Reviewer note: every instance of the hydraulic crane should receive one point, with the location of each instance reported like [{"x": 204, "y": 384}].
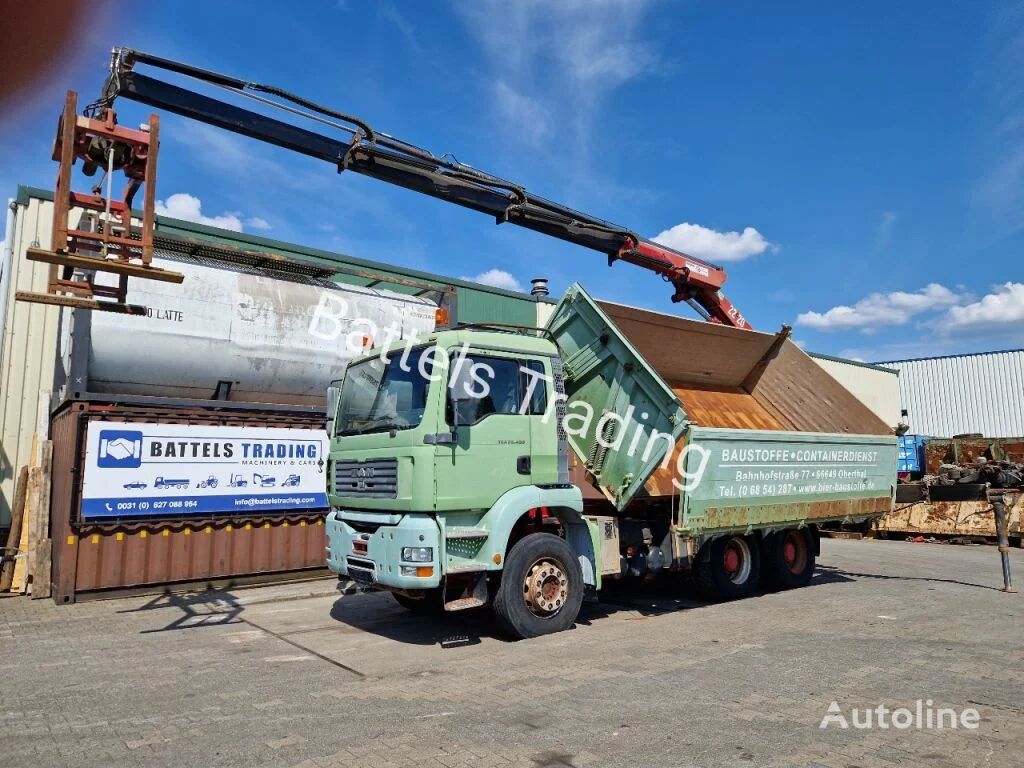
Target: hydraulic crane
[{"x": 362, "y": 149}]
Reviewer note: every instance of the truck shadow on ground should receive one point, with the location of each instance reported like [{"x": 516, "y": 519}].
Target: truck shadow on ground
[
  {"x": 841, "y": 575},
  {"x": 379, "y": 614}
]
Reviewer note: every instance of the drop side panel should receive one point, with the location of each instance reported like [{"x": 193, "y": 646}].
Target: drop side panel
[{"x": 746, "y": 478}]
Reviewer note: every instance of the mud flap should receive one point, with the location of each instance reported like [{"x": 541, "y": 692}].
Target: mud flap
[{"x": 579, "y": 536}]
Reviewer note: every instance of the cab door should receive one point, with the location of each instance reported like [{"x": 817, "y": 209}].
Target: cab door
[{"x": 491, "y": 451}]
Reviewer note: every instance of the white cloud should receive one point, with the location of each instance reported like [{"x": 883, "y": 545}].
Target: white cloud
[
  {"x": 182, "y": 205},
  {"x": 497, "y": 278},
  {"x": 256, "y": 222},
  {"x": 528, "y": 115},
  {"x": 884, "y": 229},
  {"x": 710, "y": 244},
  {"x": 559, "y": 61},
  {"x": 997, "y": 156},
  {"x": 881, "y": 309},
  {"x": 1002, "y": 308}
]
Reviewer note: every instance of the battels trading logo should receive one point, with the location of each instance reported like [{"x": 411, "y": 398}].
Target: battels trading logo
[{"x": 120, "y": 449}]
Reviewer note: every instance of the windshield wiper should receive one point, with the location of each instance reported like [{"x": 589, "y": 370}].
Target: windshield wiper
[{"x": 379, "y": 427}]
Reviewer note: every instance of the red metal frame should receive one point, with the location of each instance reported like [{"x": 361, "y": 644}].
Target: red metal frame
[
  {"x": 694, "y": 280},
  {"x": 115, "y": 245}
]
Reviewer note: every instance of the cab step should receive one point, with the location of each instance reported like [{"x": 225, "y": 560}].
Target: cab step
[{"x": 464, "y": 603}]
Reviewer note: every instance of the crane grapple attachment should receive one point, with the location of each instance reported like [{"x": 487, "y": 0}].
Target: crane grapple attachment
[{"x": 94, "y": 232}]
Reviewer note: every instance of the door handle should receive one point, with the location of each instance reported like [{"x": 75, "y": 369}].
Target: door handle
[{"x": 523, "y": 465}]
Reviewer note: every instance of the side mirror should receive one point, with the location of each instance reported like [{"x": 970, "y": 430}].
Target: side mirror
[{"x": 460, "y": 388}]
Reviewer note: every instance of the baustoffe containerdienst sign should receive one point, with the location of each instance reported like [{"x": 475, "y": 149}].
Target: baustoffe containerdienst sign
[{"x": 172, "y": 470}]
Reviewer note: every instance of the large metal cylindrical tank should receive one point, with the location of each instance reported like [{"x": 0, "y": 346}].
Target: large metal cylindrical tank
[{"x": 273, "y": 336}]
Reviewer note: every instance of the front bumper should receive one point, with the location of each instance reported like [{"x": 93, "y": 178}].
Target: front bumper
[{"x": 384, "y": 535}]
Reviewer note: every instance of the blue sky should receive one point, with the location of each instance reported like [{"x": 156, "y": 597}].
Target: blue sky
[{"x": 858, "y": 168}]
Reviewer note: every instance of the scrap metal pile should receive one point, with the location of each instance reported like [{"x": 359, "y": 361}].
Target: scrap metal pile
[{"x": 981, "y": 471}]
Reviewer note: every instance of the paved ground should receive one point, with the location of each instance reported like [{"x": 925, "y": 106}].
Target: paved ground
[{"x": 296, "y": 675}]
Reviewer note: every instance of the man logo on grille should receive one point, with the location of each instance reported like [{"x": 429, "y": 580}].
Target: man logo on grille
[{"x": 363, "y": 472}]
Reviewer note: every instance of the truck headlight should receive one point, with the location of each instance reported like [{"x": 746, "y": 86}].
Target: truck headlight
[{"x": 417, "y": 554}]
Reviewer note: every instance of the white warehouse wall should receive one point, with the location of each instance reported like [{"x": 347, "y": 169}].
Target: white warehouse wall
[
  {"x": 959, "y": 394},
  {"x": 877, "y": 387}
]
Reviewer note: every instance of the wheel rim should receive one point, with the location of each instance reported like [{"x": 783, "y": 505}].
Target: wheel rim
[
  {"x": 545, "y": 587},
  {"x": 736, "y": 560},
  {"x": 794, "y": 552}
]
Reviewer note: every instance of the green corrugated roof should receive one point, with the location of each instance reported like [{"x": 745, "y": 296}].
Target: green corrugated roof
[{"x": 180, "y": 227}]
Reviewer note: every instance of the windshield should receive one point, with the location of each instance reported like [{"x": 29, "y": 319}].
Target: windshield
[{"x": 377, "y": 396}]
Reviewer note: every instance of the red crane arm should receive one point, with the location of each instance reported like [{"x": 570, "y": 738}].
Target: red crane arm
[
  {"x": 363, "y": 150},
  {"x": 697, "y": 282}
]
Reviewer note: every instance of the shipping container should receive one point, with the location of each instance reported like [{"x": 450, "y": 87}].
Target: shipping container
[
  {"x": 911, "y": 453},
  {"x": 103, "y": 556}
]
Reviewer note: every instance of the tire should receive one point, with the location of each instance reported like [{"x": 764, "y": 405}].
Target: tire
[
  {"x": 430, "y": 604},
  {"x": 789, "y": 559},
  {"x": 541, "y": 587},
  {"x": 732, "y": 569}
]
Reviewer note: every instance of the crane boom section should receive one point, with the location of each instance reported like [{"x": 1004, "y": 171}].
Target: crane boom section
[{"x": 360, "y": 149}]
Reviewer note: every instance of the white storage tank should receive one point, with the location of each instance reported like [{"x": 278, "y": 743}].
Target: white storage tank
[{"x": 236, "y": 333}]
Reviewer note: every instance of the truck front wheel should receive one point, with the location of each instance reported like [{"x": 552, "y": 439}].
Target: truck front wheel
[
  {"x": 541, "y": 587},
  {"x": 731, "y": 570},
  {"x": 788, "y": 559}
]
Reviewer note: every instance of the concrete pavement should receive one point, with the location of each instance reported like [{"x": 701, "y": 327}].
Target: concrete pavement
[{"x": 296, "y": 675}]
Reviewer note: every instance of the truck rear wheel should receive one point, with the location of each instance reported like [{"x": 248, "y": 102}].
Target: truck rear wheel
[
  {"x": 731, "y": 570},
  {"x": 788, "y": 559},
  {"x": 541, "y": 587}
]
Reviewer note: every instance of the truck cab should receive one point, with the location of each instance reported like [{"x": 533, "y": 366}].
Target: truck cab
[{"x": 439, "y": 449}]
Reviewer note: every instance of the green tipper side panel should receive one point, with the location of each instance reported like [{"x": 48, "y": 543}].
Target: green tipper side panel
[
  {"x": 752, "y": 477},
  {"x": 605, "y": 373}
]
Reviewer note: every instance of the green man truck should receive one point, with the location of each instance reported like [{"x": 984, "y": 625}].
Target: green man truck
[{"x": 524, "y": 468}]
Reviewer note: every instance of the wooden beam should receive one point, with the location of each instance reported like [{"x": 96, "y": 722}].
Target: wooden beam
[
  {"x": 104, "y": 265},
  {"x": 14, "y": 535},
  {"x": 42, "y": 546},
  {"x": 71, "y": 301}
]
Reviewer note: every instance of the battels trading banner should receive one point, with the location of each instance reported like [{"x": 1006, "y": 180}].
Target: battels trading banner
[{"x": 172, "y": 470}]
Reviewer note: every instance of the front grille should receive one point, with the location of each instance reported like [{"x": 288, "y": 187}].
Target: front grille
[
  {"x": 370, "y": 479},
  {"x": 363, "y": 571}
]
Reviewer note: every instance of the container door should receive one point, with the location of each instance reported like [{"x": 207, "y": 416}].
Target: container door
[{"x": 621, "y": 416}]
